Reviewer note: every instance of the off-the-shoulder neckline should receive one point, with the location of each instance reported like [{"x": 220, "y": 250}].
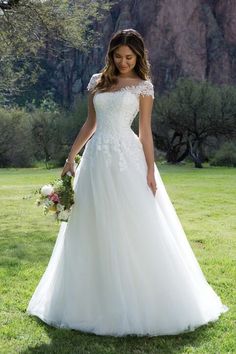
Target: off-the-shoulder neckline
[{"x": 126, "y": 87}]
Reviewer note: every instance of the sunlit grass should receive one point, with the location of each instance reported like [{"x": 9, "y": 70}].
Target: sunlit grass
[{"x": 205, "y": 202}]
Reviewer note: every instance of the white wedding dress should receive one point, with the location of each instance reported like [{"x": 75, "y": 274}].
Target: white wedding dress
[{"x": 122, "y": 264}]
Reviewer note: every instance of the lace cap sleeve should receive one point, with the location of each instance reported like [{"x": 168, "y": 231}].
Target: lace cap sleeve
[
  {"x": 147, "y": 89},
  {"x": 93, "y": 81}
]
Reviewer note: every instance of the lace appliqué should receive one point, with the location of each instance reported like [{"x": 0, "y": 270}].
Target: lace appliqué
[
  {"x": 114, "y": 151},
  {"x": 147, "y": 89},
  {"x": 93, "y": 81},
  {"x": 144, "y": 88}
]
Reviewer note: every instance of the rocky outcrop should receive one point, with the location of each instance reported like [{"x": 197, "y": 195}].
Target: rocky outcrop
[{"x": 195, "y": 38}]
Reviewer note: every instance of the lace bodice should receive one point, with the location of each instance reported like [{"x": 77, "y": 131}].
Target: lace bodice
[{"x": 115, "y": 112}]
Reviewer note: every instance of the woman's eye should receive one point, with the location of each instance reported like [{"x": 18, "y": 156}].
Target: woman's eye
[{"x": 117, "y": 57}]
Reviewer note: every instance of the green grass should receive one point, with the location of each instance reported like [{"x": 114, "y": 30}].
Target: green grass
[{"x": 205, "y": 202}]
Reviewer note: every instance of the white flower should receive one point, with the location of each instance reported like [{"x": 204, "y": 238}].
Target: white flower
[
  {"x": 60, "y": 207},
  {"x": 63, "y": 215},
  {"x": 47, "y": 189},
  {"x": 38, "y": 202}
]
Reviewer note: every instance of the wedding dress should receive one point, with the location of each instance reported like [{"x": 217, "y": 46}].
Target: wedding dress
[{"x": 122, "y": 264}]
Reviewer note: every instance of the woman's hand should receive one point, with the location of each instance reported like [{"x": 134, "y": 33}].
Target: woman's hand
[
  {"x": 151, "y": 181},
  {"x": 68, "y": 167}
]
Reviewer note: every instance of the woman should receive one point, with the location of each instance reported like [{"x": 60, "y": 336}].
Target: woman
[{"x": 122, "y": 264}]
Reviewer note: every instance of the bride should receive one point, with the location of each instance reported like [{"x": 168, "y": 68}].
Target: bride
[{"x": 122, "y": 264}]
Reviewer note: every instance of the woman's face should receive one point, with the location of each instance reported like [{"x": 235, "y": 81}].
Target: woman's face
[{"x": 124, "y": 59}]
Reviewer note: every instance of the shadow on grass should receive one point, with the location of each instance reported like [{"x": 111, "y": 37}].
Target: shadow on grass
[{"x": 73, "y": 341}]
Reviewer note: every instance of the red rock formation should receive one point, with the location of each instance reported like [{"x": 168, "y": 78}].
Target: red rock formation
[{"x": 195, "y": 38}]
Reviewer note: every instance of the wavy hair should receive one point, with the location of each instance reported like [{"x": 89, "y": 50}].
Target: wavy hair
[{"x": 134, "y": 41}]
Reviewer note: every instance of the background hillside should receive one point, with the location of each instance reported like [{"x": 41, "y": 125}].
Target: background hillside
[{"x": 191, "y": 38}]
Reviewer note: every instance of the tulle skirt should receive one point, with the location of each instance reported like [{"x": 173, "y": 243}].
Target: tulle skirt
[{"x": 122, "y": 264}]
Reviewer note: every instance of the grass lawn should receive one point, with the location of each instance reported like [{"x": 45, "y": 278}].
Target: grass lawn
[{"x": 205, "y": 202}]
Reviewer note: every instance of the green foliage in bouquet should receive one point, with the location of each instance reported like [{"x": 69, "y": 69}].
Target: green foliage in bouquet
[{"x": 63, "y": 187}]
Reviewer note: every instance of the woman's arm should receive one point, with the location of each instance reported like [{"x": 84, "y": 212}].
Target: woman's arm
[
  {"x": 85, "y": 132},
  {"x": 145, "y": 136},
  {"x": 145, "y": 132},
  {"x": 83, "y": 136}
]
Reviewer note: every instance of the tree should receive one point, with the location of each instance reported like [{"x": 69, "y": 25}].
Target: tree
[
  {"x": 33, "y": 29},
  {"x": 193, "y": 112}
]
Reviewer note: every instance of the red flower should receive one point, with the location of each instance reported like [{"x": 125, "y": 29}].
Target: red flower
[{"x": 54, "y": 198}]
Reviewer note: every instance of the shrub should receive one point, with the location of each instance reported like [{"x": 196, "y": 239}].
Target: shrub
[
  {"x": 39, "y": 134},
  {"x": 225, "y": 156},
  {"x": 16, "y": 145}
]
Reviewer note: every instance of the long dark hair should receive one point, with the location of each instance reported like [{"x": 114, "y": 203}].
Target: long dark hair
[{"x": 135, "y": 42}]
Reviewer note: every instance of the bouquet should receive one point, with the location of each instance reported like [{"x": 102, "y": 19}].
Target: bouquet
[{"x": 58, "y": 196}]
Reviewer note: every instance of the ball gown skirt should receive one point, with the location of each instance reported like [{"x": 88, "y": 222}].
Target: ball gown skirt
[{"x": 122, "y": 265}]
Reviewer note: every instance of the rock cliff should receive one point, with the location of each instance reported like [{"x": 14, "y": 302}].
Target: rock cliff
[{"x": 195, "y": 38}]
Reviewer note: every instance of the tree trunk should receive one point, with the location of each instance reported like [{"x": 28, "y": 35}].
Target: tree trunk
[
  {"x": 175, "y": 152},
  {"x": 194, "y": 150}
]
